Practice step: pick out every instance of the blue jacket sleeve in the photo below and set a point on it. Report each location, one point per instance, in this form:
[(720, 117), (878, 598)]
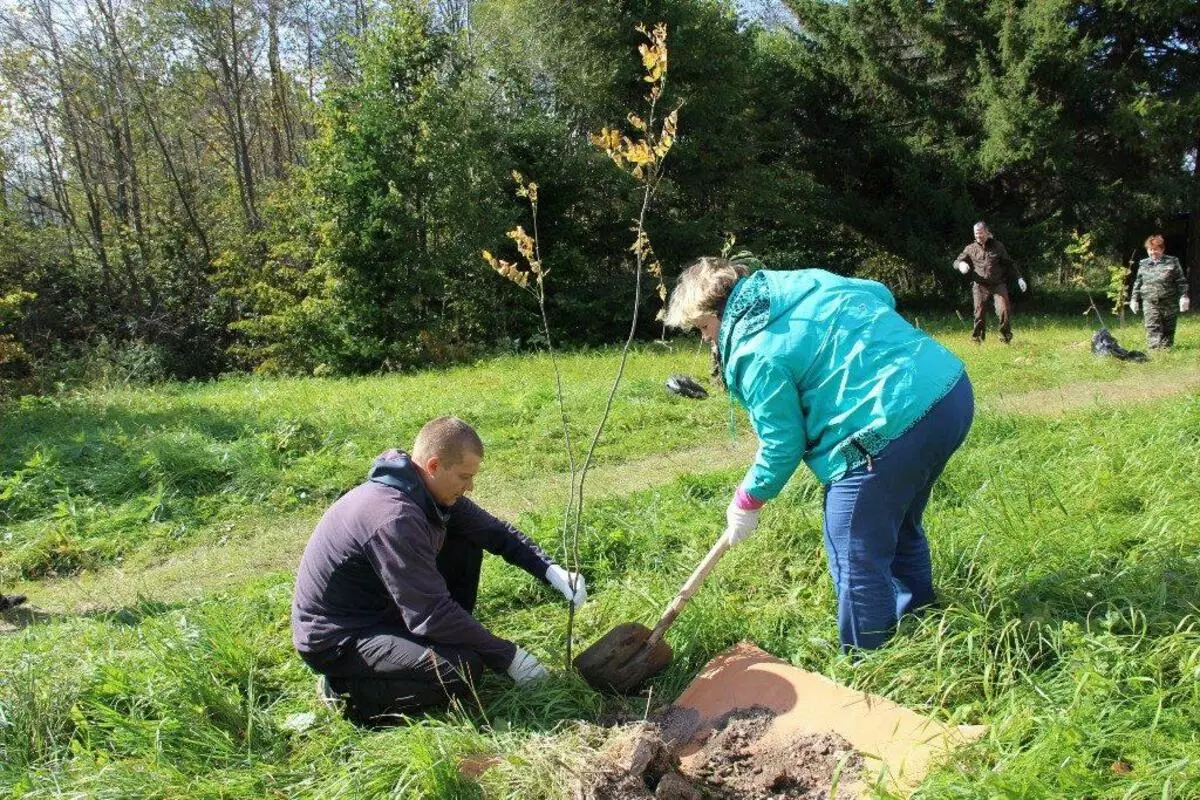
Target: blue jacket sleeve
[(880, 291), (774, 405)]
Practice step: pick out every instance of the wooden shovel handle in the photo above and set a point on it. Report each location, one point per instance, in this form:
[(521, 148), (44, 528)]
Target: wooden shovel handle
[(689, 588)]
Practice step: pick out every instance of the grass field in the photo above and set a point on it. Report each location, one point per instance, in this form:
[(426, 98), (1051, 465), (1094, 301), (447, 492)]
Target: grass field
[(1065, 544)]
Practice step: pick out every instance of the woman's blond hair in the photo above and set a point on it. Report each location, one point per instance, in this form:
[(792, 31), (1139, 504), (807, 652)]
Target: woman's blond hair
[(1155, 239), (702, 289)]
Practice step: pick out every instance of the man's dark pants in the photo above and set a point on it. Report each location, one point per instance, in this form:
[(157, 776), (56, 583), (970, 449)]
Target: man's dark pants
[(386, 671), (981, 294)]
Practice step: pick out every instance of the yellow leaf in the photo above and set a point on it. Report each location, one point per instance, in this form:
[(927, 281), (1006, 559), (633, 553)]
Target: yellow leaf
[(637, 121), (649, 56), (523, 240), (639, 153)]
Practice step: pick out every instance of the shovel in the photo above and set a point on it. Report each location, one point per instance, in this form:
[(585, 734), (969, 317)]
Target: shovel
[(630, 653)]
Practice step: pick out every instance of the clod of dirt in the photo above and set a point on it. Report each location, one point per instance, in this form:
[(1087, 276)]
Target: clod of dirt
[(734, 763), (640, 752), (677, 724), (674, 787), (632, 766)]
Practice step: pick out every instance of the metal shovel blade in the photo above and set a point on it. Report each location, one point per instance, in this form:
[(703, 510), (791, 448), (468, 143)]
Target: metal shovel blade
[(620, 660)]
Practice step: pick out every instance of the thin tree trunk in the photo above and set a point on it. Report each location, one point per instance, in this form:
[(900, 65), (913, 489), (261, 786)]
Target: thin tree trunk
[(1191, 263), (282, 133), (95, 222)]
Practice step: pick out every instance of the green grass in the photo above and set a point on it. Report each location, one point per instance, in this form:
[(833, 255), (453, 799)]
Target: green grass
[(1065, 551), (94, 478)]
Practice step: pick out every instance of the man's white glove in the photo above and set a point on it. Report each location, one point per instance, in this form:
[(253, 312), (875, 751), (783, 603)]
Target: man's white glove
[(962, 267), (1134, 307), (1024, 286), (525, 669), (560, 579), (740, 522), (1184, 304)]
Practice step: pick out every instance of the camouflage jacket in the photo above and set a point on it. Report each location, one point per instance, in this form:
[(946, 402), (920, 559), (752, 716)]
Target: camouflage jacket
[(1161, 281), (991, 265)]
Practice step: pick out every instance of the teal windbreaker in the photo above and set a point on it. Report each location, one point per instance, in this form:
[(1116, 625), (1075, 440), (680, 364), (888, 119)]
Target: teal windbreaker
[(828, 371)]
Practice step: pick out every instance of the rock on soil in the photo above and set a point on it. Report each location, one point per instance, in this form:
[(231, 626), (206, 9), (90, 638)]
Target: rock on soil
[(642, 762)]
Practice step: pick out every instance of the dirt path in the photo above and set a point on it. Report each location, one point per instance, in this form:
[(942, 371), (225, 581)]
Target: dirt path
[(258, 547), (1075, 396)]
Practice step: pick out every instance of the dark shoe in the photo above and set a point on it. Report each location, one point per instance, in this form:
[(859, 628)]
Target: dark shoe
[(8, 601), (327, 696)]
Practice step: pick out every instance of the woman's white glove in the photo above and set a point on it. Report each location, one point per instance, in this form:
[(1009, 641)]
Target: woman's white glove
[(525, 669), (1185, 303), (962, 267), (740, 522), (560, 579), (1134, 307), (1024, 286)]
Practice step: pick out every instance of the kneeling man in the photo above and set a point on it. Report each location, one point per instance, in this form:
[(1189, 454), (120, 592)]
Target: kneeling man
[(386, 586)]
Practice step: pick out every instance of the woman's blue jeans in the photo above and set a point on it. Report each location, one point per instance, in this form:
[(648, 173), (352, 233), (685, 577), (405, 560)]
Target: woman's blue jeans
[(874, 539)]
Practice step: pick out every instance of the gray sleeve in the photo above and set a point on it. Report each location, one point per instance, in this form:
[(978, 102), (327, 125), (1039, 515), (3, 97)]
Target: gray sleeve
[(403, 555)]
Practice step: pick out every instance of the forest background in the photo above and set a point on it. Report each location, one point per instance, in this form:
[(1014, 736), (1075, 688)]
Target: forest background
[(197, 187)]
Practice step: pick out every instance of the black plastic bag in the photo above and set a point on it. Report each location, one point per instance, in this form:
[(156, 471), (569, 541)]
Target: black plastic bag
[(684, 386), (1104, 344)]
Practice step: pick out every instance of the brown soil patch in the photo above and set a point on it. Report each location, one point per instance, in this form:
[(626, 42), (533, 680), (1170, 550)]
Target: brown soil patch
[(739, 760)]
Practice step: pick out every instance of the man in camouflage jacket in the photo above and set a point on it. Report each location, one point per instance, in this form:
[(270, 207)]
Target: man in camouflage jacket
[(989, 266), (1159, 288)]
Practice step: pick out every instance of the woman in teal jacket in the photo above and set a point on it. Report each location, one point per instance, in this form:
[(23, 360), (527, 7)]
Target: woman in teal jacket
[(832, 376)]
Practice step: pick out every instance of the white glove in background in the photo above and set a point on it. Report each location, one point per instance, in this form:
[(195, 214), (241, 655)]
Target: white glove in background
[(962, 267), (525, 669), (1024, 286), (560, 579), (1134, 307), (1185, 304), (740, 522)]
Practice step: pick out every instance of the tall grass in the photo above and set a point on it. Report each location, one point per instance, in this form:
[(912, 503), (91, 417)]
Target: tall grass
[(94, 477), (1069, 622)]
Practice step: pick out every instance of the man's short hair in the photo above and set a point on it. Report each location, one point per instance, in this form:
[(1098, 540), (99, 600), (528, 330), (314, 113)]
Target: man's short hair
[(981, 226), (1156, 239), (447, 438)]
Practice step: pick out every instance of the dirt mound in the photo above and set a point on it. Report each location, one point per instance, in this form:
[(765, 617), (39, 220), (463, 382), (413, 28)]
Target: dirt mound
[(735, 761)]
